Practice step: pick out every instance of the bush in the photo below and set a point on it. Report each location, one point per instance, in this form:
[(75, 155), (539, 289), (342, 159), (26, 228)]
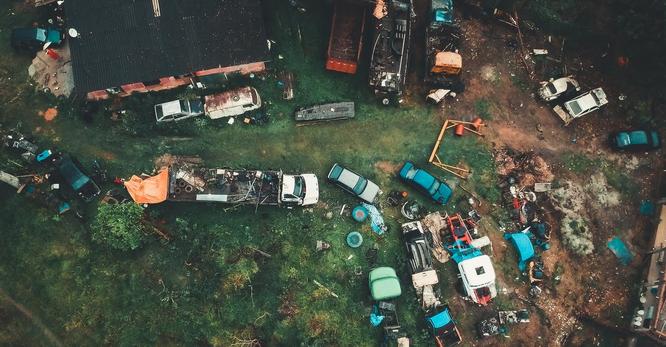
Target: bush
[(119, 226)]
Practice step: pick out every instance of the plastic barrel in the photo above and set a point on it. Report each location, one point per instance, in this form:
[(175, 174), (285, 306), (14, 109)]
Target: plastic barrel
[(359, 213), (460, 129), (354, 239)]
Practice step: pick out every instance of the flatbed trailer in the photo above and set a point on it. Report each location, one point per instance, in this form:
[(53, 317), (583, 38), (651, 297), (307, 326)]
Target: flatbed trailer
[(225, 185), (346, 39), (191, 182), (391, 40)]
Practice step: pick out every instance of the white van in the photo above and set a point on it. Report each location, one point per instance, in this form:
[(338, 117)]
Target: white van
[(231, 103)]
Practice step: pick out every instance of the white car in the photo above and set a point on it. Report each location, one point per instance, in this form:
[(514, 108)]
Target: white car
[(301, 190), (555, 88), (178, 110), (581, 105)]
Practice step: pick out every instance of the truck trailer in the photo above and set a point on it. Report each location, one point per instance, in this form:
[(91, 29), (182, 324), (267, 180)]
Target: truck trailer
[(346, 40), (230, 186)]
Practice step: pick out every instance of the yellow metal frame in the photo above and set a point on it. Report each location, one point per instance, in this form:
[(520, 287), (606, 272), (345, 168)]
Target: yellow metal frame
[(434, 158)]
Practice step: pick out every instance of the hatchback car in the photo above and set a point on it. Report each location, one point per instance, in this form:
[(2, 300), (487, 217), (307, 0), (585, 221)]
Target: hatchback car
[(354, 183), (35, 39), (635, 140), (556, 88), (178, 110), (426, 182)]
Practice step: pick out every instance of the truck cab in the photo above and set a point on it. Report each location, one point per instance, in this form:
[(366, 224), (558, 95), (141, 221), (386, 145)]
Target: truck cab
[(300, 190)]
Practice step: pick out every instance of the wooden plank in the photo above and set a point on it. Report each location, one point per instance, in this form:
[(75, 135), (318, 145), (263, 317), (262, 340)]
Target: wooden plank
[(438, 142)]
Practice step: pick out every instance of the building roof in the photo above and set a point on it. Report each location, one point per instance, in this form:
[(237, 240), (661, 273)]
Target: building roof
[(128, 41)]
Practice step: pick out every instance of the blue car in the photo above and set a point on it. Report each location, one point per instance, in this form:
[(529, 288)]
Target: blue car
[(426, 182), (636, 140)]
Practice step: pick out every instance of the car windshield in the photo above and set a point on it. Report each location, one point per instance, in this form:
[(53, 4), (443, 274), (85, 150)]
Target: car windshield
[(299, 187), (184, 106), (360, 185), (434, 188), (575, 107), (551, 88)]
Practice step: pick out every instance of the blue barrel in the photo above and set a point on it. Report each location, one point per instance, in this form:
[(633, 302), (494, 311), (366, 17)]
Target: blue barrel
[(354, 239), (360, 213)]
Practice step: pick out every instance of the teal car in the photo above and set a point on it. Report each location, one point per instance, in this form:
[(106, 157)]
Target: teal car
[(635, 140), (426, 182)]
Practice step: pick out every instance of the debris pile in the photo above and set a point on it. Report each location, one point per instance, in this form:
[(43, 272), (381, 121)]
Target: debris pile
[(525, 169)]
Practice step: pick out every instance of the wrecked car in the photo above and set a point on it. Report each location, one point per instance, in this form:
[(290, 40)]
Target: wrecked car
[(178, 110), (556, 88), (82, 184), (581, 105)]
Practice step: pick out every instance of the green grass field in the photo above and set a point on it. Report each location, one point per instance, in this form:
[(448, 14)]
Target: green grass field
[(205, 286)]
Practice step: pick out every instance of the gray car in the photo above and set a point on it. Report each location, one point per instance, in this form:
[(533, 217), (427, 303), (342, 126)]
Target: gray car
[(354, 183)]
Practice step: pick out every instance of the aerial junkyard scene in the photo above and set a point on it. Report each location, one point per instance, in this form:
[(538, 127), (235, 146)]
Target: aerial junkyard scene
[(332, 173)]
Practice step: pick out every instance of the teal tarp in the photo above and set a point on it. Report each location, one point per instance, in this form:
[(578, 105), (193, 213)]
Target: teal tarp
[(523, 246), (620, 250)]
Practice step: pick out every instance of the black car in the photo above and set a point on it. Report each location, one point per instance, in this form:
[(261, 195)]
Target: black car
[(73, 175), (35, 39)]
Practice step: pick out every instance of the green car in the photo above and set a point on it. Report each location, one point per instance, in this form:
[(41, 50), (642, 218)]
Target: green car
[(384, 284)]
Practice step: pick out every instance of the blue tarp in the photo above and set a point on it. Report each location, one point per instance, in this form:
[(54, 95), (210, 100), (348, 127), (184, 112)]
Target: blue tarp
[(376, 219), (620, 250), (524, 247), (375, 318), (441, 319)]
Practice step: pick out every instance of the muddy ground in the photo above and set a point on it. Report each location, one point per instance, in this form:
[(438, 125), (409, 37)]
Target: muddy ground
[(592, 287)]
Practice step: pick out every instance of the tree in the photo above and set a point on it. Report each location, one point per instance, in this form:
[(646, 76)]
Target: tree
[(119, 226)]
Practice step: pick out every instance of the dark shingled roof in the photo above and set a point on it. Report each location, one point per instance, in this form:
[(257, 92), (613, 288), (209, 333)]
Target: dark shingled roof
[(121, 41)]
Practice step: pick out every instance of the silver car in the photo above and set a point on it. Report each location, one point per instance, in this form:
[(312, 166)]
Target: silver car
[(354, 183), (178, 110)]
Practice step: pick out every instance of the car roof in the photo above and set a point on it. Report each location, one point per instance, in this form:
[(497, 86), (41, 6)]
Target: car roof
[(424, 178), (171, 107), (348, 178)]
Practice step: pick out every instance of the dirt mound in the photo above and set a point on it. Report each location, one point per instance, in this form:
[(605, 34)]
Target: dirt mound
[(526, 168)]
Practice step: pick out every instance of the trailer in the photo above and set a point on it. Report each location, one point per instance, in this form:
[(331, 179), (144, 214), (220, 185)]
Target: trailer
[(186, 182), (325, 112), (391, 40), (346, 39)]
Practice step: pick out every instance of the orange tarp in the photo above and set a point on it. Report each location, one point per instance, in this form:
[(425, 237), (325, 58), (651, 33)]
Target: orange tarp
[(151, 190)]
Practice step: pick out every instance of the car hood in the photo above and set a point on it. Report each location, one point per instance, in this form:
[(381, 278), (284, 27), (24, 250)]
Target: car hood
[(370, 192)]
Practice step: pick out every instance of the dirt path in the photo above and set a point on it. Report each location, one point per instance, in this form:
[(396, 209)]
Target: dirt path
[(35, 320)]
